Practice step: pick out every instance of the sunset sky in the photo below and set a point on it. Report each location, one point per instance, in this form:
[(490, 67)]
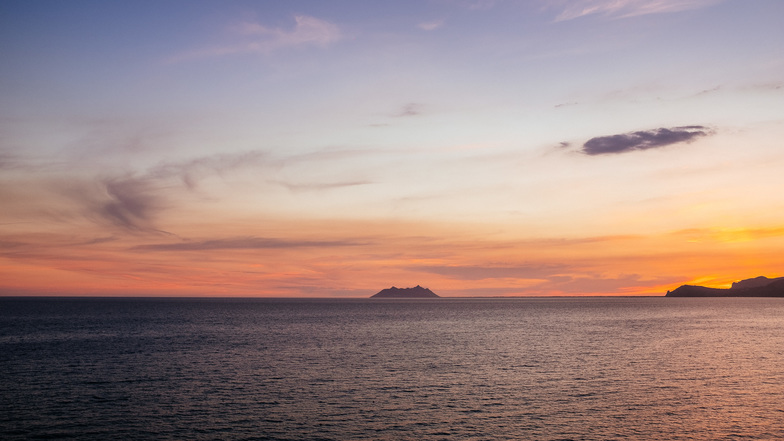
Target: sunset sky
[(336, 148)]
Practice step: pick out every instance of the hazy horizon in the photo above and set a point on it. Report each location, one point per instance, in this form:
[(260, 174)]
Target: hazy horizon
[(333, 149)]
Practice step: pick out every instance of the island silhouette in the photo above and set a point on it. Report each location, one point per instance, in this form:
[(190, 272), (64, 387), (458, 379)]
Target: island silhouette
[(416, 292), (757, 287)]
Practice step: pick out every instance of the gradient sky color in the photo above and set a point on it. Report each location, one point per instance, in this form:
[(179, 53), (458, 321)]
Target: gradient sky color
[(335, 148)]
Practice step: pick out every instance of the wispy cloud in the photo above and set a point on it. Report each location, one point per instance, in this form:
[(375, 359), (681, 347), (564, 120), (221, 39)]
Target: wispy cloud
[(317, 186), (330, 154), (572, 9), (14, 162), (726, 235), (570, 103), (479, 4), (410, 109), (130, 204), (307, 31), (708, 91), (771, 86), (244, 243), (190, 172), (8, 161), (643, 140), (479, 272), (431, 25), (603, 285), (257, 38), (126, 203)]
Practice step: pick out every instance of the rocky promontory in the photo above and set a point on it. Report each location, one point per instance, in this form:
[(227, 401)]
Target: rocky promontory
[(756, 287), (416, 292)]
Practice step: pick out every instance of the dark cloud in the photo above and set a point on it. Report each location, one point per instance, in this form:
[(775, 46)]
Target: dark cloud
[(127, 203), (131, 204), (245, 243), (643, 140)]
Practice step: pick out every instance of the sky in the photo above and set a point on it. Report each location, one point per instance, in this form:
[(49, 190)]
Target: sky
[(334, 149)]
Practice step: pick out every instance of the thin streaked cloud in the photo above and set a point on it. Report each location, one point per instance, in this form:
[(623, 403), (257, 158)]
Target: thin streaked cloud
[(257, 38), (320, 186), (307, 31), (480, 272), (244, 243), (571, 10)]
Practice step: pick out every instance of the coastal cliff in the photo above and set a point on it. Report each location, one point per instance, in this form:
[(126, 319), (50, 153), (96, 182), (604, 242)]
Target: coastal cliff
[(416, 292), (756, 287)]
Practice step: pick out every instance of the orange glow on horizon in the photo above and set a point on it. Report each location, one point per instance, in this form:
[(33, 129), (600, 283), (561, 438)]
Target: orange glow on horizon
[(351, 267)]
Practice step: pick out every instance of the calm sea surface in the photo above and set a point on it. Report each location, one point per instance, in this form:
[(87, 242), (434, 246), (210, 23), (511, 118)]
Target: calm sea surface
[(540, 369)]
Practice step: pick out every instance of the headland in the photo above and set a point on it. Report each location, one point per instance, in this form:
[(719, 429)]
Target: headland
[(757, 287)]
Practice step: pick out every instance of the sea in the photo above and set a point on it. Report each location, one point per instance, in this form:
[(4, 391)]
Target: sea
[(595, 368)]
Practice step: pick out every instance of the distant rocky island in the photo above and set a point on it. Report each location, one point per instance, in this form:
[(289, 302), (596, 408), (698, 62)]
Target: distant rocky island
[(416, 292), (757, 287)]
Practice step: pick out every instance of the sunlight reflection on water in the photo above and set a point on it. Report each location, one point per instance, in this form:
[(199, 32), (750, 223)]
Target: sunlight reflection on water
[(576, 368)]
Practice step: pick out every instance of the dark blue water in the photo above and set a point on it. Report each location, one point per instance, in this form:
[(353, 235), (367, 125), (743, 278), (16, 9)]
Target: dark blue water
[(543, 369)]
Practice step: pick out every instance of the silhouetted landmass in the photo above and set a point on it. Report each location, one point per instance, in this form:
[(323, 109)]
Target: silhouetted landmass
[(755, 282), (416, 292), (756, 287)]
